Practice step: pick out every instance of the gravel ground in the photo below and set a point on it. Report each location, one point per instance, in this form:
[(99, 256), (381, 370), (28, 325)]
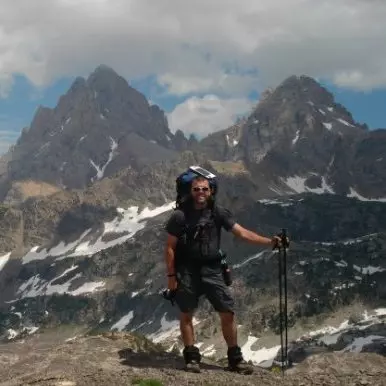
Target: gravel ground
[(113, 360)]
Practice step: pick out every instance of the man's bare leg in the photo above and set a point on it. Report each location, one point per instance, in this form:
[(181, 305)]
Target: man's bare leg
[(228, 327), (235, 357), (186, 327), (191, 353)]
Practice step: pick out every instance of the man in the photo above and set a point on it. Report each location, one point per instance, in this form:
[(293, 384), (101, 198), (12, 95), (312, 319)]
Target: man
[(194, 269)]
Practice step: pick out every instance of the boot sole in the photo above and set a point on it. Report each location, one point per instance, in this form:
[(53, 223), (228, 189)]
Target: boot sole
[(196, 371), (239, 371)]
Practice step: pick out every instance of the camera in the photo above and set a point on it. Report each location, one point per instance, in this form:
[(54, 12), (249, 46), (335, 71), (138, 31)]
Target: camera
[(226, 272), (169, 295)]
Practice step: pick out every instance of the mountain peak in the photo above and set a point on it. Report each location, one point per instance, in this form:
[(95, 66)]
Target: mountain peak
[(98, 127), (103, 68), (305, 89), (104, 74)]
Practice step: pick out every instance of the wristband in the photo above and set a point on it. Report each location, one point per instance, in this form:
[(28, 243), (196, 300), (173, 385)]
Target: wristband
[(171, 275)]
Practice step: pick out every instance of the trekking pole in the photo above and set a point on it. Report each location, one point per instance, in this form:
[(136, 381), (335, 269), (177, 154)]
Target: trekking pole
[(284, 242), (281, 311), (283, 280)]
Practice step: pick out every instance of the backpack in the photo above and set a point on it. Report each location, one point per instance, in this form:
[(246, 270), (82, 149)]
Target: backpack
[(202, 230), (201, 241)]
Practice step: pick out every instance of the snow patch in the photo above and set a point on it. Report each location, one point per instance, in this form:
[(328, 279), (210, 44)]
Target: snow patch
[(169, 330), (130, 222), (89, 287), (101, 169), (322, 112), (344, 285), (31, 330), (341, 264), (369, 270), (327, 330), (41, 149), (276, 190), (59, 250), (328, 126), (35, 286), (261, 356), (258, 256), (297, 184), (354, 194), (71, 339), (4, 259), (358, 343), (296, 137), (275, 201), (123, 322), (11, 334), (345, 122), (209, 351), (230, 143), (330, 109)]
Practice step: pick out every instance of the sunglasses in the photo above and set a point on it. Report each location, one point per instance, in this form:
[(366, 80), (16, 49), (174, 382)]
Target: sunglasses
[(197, 189)]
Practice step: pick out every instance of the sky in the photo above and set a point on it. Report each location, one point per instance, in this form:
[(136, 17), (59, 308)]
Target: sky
[(204, 62)]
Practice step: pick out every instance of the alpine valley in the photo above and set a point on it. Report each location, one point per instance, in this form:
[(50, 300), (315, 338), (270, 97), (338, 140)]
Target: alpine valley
[(87, 188)]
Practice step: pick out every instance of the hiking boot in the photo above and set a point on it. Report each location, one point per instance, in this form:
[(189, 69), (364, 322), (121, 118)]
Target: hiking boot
[(192, 359), (192, 367), (236, 361), (241, 367)]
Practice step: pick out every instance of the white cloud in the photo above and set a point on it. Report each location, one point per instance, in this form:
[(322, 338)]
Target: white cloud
[(189, 45), (201, 116), (6, 83)]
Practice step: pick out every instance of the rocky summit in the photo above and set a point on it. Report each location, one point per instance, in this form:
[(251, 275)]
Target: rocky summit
[(98, 127), (125, 359), (299, 139), (86, 191)]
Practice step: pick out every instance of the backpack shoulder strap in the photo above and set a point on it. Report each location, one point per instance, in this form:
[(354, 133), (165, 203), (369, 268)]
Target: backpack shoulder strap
[(217, 220)]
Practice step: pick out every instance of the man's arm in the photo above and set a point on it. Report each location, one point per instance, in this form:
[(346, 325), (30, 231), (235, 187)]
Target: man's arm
[(250, 236), (170, 247)]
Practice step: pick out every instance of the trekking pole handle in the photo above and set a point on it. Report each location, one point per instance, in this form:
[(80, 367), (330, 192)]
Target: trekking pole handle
[(284, 239)]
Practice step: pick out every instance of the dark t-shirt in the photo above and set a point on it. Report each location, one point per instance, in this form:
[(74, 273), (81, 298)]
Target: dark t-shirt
[(176, 222), (176, 227)]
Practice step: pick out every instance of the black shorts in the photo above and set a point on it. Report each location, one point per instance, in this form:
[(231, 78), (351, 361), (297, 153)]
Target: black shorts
[(207, 280)]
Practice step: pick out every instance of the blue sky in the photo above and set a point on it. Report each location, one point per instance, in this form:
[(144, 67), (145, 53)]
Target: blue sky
[(200, 61), (17, 110)]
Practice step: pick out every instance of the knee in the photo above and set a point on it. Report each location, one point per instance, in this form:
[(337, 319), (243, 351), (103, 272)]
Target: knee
[(227, 317), (186, 318)]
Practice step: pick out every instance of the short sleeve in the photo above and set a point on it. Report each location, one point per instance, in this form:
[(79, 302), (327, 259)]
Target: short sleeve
[(175, 224), (226, 218)]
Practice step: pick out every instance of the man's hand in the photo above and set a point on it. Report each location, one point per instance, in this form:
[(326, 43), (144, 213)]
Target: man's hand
[(277, 242), (172, 283)]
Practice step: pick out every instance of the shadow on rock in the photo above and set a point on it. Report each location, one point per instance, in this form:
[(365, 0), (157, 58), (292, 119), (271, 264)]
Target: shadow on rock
[(157, 360)]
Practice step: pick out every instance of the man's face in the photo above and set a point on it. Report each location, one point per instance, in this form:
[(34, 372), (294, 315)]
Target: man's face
[(200, 191)]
